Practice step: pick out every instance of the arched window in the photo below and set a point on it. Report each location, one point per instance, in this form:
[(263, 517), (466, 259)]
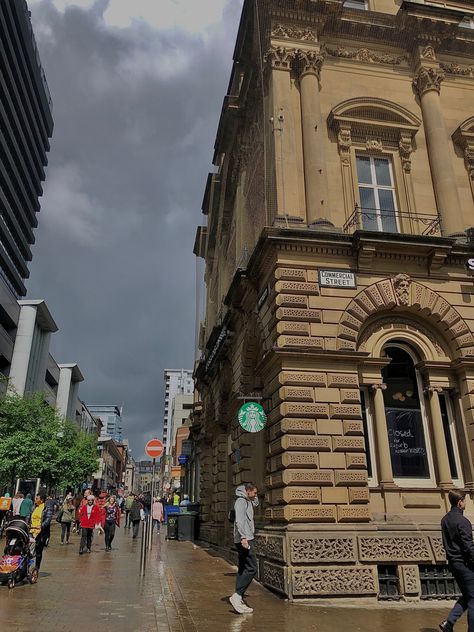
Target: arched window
[(405, 415)]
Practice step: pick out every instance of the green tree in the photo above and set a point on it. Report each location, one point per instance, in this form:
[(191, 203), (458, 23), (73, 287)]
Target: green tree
[(35, 442)]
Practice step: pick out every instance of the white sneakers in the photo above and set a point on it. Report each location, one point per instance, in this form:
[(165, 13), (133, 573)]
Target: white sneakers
[(238, 604)]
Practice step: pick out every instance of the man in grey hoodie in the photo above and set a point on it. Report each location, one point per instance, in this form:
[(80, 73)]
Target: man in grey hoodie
[(244, 531)]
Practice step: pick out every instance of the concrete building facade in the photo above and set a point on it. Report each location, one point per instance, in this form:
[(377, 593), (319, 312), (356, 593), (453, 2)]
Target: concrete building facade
[(338, 234), (111, 417)]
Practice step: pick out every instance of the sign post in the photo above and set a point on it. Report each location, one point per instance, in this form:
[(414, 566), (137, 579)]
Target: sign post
[(154, 449)]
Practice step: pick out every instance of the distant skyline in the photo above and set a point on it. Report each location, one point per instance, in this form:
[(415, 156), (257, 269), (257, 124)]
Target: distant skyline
[(137, 93)]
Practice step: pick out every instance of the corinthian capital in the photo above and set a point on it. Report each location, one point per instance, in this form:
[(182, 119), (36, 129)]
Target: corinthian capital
[(280, 57), (310, 61), (427, 79), (376, 387)]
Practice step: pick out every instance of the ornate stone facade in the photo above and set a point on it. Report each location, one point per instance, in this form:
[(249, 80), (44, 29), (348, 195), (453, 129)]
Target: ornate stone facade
[(336, 239)]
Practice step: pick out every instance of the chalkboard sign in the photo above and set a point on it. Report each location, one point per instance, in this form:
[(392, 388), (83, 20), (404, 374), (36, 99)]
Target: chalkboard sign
[(407, 443)]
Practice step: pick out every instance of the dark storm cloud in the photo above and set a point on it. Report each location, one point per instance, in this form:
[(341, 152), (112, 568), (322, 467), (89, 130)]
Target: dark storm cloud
[(135, 112)]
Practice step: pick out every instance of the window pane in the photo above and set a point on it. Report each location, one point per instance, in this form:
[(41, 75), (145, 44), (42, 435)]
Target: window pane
[(366, 434), (369, 214), (382, 172), (387, 211), (404, 419), (363, 170), (447, 435), (355, 4)]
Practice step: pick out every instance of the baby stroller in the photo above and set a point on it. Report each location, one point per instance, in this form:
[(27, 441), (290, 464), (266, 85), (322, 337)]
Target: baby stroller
[(18, 562)]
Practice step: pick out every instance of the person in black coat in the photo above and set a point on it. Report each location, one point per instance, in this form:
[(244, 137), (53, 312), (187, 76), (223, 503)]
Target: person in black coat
[(459, 547), (135, 516)]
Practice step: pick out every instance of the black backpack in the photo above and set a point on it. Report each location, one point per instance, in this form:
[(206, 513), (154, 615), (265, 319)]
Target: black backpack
[(231, 515)]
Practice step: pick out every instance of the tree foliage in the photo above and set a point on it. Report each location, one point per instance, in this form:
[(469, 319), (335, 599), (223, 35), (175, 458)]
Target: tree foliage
[(35, 442)]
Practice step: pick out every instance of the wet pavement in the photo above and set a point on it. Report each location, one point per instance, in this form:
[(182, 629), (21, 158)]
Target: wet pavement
[(185, 590)]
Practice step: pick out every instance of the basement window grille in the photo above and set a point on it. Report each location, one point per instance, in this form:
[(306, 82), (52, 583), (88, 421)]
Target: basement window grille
[(438, 583), (389, 587)]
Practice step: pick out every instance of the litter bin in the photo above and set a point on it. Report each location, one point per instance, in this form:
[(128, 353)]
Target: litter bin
[(172, 526), (170, 509), (187, 526)]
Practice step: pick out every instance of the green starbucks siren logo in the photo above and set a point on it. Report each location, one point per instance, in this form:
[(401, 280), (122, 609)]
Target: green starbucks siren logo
[(252, 417)]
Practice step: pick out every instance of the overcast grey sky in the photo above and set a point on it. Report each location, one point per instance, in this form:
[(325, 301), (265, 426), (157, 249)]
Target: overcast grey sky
[(137, 88)]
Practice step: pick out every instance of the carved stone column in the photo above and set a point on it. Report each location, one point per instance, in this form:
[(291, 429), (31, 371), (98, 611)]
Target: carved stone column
[(427, 82), (315, 180), (440, 449), (385, 472)]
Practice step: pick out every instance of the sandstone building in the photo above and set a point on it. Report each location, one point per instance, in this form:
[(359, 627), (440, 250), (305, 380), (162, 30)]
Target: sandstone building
[(338, 233)]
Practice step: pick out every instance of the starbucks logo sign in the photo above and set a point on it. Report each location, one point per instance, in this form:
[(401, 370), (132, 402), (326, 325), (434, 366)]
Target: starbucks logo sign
[(252, 417)]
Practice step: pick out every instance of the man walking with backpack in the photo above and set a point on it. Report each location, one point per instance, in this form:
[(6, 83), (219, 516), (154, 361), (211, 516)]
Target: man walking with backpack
[(244, 532)]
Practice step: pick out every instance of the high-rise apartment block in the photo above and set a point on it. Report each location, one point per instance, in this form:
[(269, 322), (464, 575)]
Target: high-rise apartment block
[(26, 124), (177, 382)]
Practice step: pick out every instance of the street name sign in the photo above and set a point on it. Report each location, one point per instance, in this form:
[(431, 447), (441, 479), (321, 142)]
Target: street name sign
[(337, 278)]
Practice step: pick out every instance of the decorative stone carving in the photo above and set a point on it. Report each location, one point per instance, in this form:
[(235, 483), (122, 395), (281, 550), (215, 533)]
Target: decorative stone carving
[(296, 378), (296, 341), (374, 144), (323, 549), (270, 546), (335, 581), (397, 323), (405, 148), (366, 55), (454, 68), (295, 393), (409, 580), (343, 379), (274, 576), (344, 142), (394, 549), (401, 285), (310, 61), (304, 410), (427, 79), (287, 327), (279, 57), (345, 411), (310, 315), (438, 549), (292, 300), (290, 274), (297, 287), (286, 31), (428, 52), (353, 514), (350, 477)]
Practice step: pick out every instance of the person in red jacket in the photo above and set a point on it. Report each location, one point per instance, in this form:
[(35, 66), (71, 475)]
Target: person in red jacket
[(110, 520), (90, 517)]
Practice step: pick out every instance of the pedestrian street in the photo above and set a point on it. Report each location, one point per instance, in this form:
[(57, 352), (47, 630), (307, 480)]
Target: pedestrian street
[(185, 589)]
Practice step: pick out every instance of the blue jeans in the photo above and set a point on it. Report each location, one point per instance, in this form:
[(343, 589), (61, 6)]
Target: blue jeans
[(464, 576)]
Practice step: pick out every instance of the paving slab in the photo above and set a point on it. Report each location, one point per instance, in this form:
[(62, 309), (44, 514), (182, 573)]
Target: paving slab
[(185, 589)]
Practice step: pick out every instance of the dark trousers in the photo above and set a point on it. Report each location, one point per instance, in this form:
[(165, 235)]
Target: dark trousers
[(136, 526), (109, 530), (464, 576), (41, 541), (127, 517), (86, 539), (156, 523), (247, 568), (65, 531)]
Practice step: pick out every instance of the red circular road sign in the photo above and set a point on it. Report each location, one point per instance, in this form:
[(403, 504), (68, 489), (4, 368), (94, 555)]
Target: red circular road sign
[(154, 448)]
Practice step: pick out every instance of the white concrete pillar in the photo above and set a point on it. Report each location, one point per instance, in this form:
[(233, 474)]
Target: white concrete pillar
[(64, 389), (22, 349)]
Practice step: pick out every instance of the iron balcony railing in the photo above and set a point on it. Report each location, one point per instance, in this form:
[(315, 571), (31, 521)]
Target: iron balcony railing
[(398, 222)]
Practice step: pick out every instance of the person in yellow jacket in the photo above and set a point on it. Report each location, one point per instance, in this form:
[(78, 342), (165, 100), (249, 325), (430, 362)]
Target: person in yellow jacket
[(41, 525)]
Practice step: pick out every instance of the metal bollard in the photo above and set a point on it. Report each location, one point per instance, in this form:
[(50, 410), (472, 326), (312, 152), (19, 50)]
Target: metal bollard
[(143, 549), (150, 531)]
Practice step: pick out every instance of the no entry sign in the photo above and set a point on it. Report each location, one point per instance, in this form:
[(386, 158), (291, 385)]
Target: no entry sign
[(154, 448)]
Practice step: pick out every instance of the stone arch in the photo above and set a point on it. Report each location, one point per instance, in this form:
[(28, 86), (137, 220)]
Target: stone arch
[(402, 294), (376, 111)]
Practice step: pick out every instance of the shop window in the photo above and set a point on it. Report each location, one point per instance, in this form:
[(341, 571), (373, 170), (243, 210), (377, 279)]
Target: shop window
[(405, 415), (376, 193)]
